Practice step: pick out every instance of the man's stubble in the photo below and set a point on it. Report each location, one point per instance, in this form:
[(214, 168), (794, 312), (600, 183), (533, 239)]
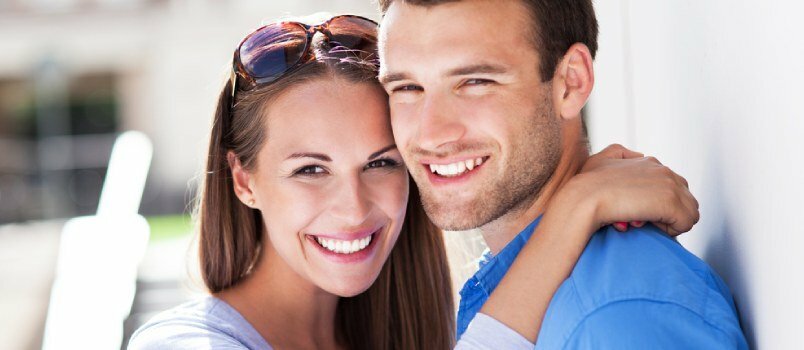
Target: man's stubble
[(527, 169)]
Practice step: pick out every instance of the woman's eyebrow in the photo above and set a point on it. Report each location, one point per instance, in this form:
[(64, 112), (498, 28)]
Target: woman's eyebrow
[(380, 152), (320, 156)]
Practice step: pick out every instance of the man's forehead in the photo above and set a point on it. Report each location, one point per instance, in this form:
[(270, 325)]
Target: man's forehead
[(442, 40), (465, 14)]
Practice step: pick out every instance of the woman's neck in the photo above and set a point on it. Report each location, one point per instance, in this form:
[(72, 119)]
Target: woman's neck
[(285, 308)]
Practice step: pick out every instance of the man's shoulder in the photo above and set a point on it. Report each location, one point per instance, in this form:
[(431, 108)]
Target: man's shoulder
[(643, 263), (643, 266)]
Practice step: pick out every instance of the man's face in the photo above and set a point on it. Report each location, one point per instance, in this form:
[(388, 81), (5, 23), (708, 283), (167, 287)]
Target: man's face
[(469, 112)]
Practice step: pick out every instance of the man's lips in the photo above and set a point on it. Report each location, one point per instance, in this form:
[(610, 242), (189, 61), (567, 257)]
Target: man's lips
[(454, 167)]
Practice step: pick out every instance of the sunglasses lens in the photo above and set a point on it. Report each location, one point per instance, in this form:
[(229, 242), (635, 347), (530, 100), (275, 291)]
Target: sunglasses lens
[(272, 50), (353, 35)]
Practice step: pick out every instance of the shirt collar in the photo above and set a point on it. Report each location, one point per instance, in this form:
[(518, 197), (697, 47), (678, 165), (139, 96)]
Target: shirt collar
[(494, 267)]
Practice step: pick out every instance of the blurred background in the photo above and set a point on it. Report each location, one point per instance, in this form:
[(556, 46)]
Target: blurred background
[(709, 87)]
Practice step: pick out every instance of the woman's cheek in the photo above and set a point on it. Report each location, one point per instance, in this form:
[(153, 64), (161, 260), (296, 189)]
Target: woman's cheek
[(293, 206), (391, 193)]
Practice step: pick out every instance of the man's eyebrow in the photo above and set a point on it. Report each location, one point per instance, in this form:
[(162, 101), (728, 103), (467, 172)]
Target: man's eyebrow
[(380, 152), (392, 77), (320, 156), (482, 68)]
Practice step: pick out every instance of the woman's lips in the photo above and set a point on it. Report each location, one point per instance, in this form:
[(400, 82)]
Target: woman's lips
[(347, 251)]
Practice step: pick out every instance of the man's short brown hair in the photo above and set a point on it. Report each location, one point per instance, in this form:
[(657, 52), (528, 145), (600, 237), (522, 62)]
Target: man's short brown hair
[(557, 24)]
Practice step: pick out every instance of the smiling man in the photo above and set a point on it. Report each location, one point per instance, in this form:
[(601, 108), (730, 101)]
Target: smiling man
[(486, 97)]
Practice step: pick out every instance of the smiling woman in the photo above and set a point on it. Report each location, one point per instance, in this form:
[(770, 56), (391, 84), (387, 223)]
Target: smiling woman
[(311, 235), (312, 185)]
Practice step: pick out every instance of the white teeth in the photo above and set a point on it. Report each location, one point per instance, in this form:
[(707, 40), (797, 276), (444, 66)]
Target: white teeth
[(455, 169), (344, 247)]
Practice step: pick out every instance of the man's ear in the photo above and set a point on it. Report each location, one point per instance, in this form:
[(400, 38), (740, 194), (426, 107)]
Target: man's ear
[(573, 81), (241, 179)]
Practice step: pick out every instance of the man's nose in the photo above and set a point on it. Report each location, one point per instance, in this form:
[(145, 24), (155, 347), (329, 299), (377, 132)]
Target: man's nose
[(440, 125)]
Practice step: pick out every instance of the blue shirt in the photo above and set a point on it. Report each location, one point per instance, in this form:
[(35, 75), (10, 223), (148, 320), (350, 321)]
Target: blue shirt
[(634, 290)]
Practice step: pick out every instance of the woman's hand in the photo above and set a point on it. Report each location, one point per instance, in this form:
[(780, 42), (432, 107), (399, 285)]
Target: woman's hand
[(621, 186)]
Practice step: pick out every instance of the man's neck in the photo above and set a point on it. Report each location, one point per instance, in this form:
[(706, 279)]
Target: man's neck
[(503, 230)]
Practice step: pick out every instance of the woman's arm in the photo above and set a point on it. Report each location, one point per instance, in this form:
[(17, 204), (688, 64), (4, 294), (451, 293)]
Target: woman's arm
[(611, 188)]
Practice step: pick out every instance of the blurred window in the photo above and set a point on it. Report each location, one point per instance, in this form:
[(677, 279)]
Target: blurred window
[(53, 168)]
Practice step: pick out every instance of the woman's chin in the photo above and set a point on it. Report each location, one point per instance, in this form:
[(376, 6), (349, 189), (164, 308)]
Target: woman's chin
[(347, 287)]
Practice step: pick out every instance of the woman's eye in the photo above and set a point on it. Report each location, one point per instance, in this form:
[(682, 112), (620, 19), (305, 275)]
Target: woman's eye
[(382, 163), (310, 170)]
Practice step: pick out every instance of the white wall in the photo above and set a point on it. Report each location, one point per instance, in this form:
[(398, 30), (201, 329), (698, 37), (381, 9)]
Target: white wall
[(713, 89)]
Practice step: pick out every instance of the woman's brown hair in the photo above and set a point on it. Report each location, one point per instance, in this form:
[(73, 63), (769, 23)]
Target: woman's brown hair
[(410, 305)]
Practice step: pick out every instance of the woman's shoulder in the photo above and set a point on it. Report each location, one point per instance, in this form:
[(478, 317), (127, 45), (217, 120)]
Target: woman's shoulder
[(204, 323)]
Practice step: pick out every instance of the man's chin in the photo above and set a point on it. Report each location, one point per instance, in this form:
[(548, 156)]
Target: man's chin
[(460, 218), (459, 211)]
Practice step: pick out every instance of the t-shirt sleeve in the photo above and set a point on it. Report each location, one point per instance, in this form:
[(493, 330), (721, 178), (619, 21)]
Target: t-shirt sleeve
[(181, 337), (484, 332), (644, 324)]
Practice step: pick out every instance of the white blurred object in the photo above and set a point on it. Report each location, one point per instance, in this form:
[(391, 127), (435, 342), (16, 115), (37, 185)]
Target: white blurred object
[(96, 271), (125, 177)]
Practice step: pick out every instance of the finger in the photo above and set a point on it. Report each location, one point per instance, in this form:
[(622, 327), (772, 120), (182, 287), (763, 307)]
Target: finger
[(679, 179), (617, 151), (686, 214), (621, 226), (673, 232), (683, 181), (637, 223), (652, 159), (688, 197), (692, 205), (689, 200), (662, 226), (667, 229), (614, 149), (629, 154)]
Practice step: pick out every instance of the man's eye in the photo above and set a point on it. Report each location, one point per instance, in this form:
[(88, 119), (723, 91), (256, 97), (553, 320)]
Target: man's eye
[(310, 170), (478, 82), (405, 88), (382, 163)]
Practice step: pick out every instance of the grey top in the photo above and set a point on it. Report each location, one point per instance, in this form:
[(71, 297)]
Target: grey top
[(211, 323), (206, 323)]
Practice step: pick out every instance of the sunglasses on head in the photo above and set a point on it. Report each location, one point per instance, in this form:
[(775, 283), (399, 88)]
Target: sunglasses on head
[(276, 49)]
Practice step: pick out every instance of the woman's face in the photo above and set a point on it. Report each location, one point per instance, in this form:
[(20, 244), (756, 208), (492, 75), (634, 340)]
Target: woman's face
[(330, 183)]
